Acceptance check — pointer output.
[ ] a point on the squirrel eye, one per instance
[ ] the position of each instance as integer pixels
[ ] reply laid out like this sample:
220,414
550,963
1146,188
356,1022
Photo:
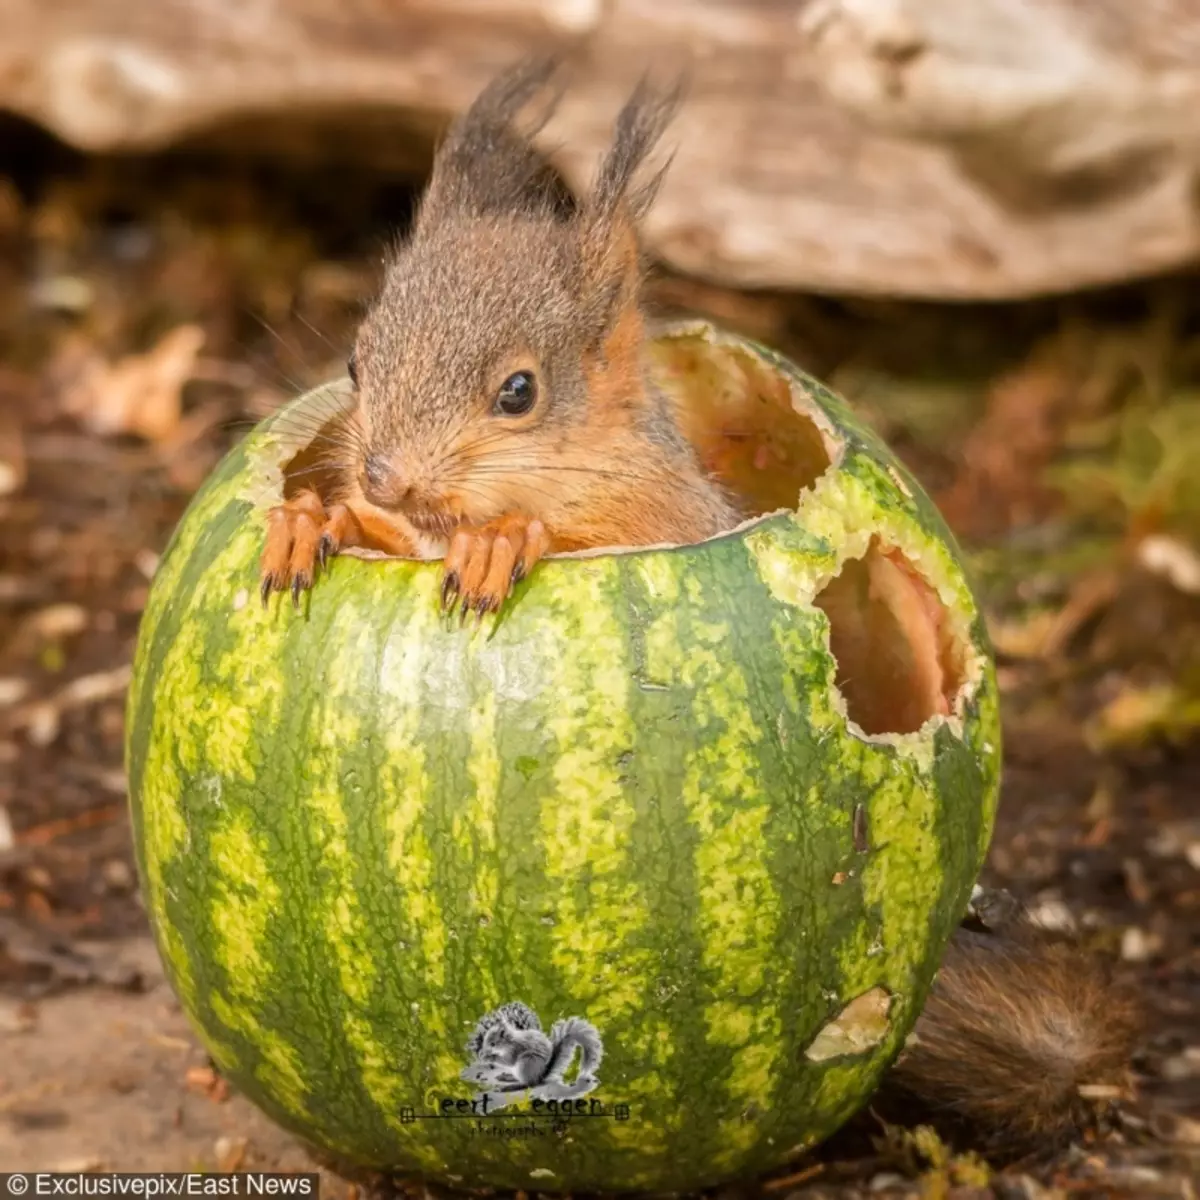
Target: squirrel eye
517,394
352,368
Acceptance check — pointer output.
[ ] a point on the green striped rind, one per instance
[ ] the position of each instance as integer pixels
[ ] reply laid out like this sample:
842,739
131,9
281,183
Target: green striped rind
632,800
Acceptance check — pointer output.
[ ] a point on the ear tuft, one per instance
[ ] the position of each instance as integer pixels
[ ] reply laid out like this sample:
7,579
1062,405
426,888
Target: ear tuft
610,252
640,125
486,164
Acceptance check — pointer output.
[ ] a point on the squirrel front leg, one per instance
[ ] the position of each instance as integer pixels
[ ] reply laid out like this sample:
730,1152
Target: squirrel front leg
484,562
302,534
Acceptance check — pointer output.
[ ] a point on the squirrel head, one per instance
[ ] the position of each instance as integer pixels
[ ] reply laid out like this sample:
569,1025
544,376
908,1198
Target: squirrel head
508,326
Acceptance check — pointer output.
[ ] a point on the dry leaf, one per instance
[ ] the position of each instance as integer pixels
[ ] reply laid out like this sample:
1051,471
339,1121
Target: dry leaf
12,454
42,720
141,394
999,484
1173,560
1140,714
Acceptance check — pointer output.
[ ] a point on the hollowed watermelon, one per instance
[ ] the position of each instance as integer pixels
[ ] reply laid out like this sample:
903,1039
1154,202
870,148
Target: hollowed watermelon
715,808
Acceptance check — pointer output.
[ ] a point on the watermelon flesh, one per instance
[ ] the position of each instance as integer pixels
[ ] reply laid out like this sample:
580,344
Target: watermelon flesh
640,886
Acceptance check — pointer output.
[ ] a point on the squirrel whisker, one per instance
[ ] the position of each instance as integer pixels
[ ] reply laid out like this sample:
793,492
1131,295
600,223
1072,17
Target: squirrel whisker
313,329
329,431
599,472
324,468
493,498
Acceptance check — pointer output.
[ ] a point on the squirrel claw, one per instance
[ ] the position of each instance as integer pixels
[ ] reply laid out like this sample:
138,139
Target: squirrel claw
484,563
302,536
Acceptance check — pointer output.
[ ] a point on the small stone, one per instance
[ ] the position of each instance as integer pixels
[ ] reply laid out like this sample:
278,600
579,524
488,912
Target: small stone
1185,1130
12,477
1164,843
17,1017
1052,914
12,691
8,839
1185,1065
230,1153
58,621
43,724
200,1079
38,877
62,294
1020,1187
146,561
117,875
1139,946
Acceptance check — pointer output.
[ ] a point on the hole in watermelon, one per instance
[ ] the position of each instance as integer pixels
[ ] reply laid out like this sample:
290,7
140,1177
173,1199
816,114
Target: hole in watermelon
742,416
899,661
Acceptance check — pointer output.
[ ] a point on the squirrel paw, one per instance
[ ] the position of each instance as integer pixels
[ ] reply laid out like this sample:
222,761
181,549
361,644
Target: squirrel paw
484,563
301,536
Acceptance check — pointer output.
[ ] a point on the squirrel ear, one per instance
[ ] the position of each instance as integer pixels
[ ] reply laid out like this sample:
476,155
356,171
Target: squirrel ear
612,273
610,252
485,164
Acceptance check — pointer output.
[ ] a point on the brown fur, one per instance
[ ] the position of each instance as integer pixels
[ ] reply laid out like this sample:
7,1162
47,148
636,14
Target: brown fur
499,277
1018,1026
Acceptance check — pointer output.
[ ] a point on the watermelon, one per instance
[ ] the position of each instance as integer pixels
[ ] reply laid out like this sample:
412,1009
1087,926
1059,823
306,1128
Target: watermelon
639,885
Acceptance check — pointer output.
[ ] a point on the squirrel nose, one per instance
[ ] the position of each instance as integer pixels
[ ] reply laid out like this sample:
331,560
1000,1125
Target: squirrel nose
384,485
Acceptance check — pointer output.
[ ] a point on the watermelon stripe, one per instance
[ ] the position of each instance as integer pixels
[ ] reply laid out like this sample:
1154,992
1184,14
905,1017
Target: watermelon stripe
234,859
603,951
813,829
161,828
724,803
245,900
223,993
663,847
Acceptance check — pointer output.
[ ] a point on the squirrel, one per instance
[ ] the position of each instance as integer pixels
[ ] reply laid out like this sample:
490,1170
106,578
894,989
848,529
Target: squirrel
501,365
1023,1037
512,1056
503,410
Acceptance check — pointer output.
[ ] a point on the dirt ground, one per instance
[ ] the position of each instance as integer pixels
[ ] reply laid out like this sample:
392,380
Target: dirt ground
150,311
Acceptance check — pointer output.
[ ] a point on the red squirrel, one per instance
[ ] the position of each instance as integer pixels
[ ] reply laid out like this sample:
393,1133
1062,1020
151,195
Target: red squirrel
501,365
502,362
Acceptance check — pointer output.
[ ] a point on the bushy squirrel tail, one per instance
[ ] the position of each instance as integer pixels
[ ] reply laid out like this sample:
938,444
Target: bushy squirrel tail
568,1034
1023,1038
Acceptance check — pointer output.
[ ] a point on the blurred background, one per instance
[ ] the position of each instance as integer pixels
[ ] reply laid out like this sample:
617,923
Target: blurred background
980,222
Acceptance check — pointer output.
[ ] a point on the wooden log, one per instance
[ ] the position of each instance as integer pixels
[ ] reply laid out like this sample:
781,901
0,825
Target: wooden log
920,148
